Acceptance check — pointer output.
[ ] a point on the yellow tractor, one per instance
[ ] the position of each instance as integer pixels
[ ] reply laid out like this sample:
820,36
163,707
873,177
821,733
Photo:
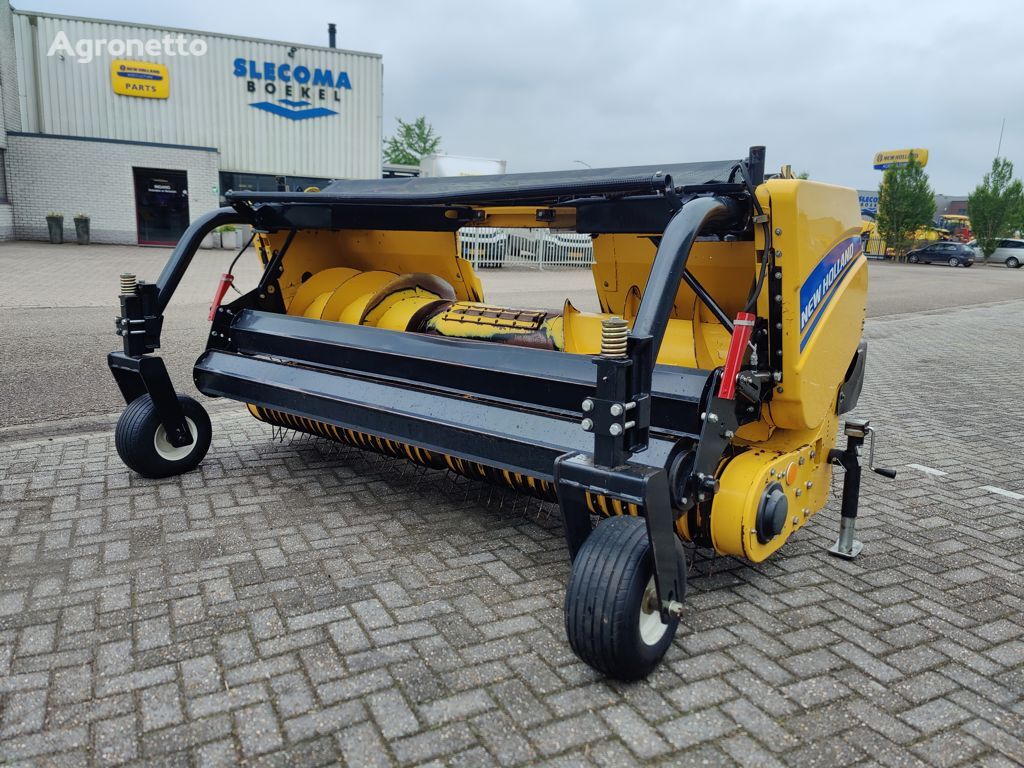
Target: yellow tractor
701,404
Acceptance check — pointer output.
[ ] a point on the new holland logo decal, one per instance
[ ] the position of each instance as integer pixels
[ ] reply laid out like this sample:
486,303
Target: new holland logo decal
293,110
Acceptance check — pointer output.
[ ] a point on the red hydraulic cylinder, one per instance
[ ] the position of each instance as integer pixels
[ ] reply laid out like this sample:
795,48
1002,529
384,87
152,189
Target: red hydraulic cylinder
226,280
743,327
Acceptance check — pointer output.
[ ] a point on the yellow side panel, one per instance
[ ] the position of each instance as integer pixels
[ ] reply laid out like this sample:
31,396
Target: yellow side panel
436,253
622,264
824,295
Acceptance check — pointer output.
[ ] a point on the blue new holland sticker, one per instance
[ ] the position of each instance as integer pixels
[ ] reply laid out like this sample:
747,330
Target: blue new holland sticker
819,287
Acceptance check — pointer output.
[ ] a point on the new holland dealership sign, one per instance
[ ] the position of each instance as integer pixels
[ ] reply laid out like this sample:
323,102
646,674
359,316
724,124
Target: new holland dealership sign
899,157
299,92
140,78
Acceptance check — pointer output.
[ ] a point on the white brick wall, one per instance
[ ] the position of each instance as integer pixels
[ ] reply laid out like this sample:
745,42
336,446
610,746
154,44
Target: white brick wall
73,176
6,220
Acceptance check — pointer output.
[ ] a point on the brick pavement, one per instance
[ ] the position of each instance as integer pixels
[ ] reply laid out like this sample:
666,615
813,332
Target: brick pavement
293,604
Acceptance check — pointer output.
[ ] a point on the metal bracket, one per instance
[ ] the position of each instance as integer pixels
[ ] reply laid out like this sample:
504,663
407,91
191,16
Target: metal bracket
137,376
140,321
576,475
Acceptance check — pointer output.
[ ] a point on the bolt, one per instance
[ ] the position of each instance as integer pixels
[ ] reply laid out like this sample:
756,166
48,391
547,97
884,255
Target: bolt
588,405
729,434
587,425
675,609
780,390
772,472
799,492
809,485
713,418
813,454
778,254
616,409
778,298
801,461
796,520
615,430
778,274
778,230
777,376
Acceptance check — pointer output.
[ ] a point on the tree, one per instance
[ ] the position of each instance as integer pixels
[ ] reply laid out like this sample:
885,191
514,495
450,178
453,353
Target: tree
906,202
411,142
996,206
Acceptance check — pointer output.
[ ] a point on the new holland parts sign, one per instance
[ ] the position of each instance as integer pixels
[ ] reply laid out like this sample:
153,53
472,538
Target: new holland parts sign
140,78
299,92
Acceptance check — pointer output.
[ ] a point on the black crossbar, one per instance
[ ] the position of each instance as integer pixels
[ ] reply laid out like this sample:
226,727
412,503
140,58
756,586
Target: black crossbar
528,378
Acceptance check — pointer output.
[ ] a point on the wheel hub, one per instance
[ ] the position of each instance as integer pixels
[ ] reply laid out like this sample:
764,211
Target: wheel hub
170,452
651,627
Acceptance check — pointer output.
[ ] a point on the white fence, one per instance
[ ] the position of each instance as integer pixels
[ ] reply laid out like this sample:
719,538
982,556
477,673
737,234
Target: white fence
487,247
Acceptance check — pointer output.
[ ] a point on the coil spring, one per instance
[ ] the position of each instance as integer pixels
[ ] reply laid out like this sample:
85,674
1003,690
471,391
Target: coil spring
128,283
614,334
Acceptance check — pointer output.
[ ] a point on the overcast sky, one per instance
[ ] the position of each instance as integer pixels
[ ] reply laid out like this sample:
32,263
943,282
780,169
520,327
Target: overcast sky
823,84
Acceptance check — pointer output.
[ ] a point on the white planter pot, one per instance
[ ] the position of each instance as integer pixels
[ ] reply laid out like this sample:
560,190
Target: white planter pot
207,241
228,240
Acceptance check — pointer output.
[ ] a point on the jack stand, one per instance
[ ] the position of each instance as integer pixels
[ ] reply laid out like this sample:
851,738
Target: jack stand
856,430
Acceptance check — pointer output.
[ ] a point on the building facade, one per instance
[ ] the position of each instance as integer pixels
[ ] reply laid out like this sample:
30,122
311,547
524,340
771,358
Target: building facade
142,129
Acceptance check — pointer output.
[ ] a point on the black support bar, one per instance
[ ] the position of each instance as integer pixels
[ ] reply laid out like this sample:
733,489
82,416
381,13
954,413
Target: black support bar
186,248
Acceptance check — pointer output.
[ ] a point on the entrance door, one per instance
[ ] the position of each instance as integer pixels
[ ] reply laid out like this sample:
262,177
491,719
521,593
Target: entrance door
161,205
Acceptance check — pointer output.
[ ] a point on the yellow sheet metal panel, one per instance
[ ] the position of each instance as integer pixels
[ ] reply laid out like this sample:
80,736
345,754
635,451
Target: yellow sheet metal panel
143,79
435,253
824,295
622,264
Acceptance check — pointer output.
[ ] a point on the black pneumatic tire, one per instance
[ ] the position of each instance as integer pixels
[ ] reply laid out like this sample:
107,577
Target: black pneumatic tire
141,440
604,599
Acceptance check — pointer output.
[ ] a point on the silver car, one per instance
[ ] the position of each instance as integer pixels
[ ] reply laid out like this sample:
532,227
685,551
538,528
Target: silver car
1010,252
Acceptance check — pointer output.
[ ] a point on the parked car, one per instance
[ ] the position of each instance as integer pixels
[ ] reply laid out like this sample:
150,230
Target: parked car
954,254
1009,252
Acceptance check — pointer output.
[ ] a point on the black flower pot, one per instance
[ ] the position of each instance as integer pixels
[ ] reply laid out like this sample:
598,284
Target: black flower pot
82,230
56,227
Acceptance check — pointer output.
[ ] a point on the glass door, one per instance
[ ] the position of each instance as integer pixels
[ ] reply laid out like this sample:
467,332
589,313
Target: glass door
161,205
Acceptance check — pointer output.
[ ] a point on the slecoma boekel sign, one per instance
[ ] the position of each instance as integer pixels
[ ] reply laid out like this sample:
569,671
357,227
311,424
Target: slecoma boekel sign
300,86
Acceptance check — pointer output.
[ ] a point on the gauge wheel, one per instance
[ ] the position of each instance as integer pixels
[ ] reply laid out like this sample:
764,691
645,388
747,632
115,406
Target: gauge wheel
142,443
611,614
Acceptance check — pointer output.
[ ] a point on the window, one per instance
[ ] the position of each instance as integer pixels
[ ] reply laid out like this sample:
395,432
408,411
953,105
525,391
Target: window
265,182
3,175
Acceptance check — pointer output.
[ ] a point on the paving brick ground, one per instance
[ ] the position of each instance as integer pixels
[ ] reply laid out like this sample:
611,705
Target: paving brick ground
292,604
